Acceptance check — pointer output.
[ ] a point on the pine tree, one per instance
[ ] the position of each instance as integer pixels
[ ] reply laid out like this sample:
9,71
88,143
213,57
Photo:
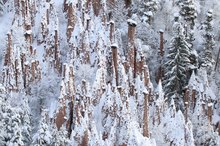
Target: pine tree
43,136
16,136
188,11
178,60
149,8
94,138
151,5
60,137
4,114
203,131
10,123
26,121
209,39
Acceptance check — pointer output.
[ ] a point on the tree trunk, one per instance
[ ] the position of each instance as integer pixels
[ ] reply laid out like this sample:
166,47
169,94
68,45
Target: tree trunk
115,62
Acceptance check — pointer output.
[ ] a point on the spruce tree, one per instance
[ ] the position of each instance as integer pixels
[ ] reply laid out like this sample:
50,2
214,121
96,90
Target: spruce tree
26,121
60,137
43,136
4,116
188,12
177,63
150,8
151,5
209,40
16,138
10,122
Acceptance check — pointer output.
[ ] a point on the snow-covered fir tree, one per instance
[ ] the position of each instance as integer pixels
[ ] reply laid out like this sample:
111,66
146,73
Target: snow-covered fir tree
43,137
209,42
149,10
16,135
26,122
189,14
4,120
11,126
60,137
176,65
188,11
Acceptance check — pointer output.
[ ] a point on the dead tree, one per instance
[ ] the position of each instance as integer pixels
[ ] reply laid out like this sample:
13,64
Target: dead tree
146,75
112,31
8,54
28,33
60,117
186,103
48,16
33,65
161,54
65,6
88,3
70,21
145,127
210,112
88,23
161,43
140,66
16,72
111,2
217,61
128,6
96,6
131,42
147,81
193,98
115,61
23,8
67,101
57,53
135,63
85,48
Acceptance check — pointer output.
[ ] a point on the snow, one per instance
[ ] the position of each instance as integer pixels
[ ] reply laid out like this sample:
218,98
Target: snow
161,31
149,13
111,22
115,46
132,22
101,107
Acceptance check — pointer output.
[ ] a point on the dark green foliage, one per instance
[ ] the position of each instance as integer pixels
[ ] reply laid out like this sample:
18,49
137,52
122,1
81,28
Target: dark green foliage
209,42
177,64
188,11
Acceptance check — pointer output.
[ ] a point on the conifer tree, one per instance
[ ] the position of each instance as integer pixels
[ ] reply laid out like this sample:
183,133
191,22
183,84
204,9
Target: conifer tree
177,62
205,134
188,11
209,39
16,138
4,116
26,122
60,137
151,5
10,122
148,8
43,136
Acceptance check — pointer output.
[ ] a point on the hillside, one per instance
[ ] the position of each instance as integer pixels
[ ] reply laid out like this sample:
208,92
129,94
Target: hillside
109,73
